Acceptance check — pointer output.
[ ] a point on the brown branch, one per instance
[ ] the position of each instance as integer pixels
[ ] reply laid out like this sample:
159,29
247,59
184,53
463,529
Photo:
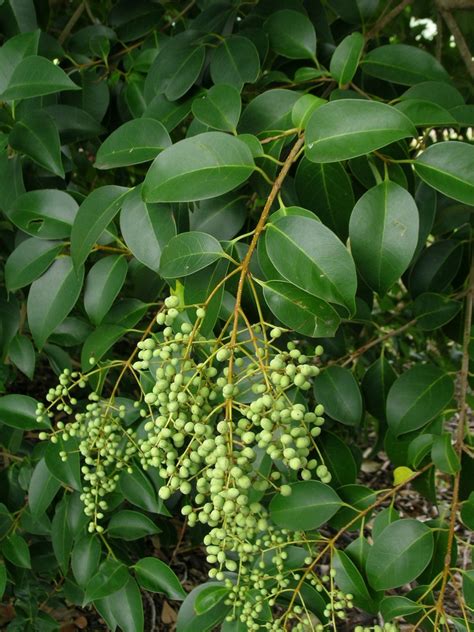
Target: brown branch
71,23
461,43
384,20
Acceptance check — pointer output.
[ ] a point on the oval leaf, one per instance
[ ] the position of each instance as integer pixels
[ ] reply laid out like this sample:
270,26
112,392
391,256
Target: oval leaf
103,283
28,262
336,389
187,253
46,213
400,63
156,576
34,77
291,34
130,525
309,505
345,58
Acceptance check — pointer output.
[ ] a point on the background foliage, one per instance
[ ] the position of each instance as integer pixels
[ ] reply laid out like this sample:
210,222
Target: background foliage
312,184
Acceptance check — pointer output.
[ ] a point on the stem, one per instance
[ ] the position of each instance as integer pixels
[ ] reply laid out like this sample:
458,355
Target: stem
386,19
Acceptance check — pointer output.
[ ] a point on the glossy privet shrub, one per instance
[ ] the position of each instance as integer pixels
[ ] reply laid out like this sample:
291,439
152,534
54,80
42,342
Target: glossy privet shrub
237,244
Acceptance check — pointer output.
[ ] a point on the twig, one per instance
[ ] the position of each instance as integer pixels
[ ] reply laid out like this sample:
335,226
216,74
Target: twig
72,21
461,43
386,19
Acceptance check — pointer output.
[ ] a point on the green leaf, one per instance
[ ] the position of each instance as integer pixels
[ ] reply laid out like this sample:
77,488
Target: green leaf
73,123
349,580
291,34
103,283
43,488
127,607
137,489
468,587
16,550
68,471
398,606
345,59
176,68
269,111
13,51
52,297
436,267
301,311
111,577
36,76
425,113
400,554
467,511
448,167
419,448
438,92
376,384
99,342
383,519
85,558
338,458
384,233
444,455
37,136
3,579
134,142
353,127
28,261
94,215
19,411
156,576
222,217
335,199
432,311
310,256
356,498
61,535
235,62
310,505
336,389
46,213
187,253
219,108
197,168
417,397
22,354
146,228
400,63
189,621
303,108
130,525
209,597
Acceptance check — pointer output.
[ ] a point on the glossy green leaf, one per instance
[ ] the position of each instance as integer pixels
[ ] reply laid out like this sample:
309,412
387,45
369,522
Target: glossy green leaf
52,297
45,213
197,168
383,519
19,411
135,141
336,389
384,233
111,577
436,267
425,113
37,136
187,253
42,489
403,64
130,525
356,498
402,552
417,397
222,217
310,256
189,621
28,261
303,108
434,310
345,59
219,108
137,489
235,62
68,471
334,200
85,558
300,311
94,215
22,354
3,579
103,283
467,511
376,384
438,92
146,228
269,111
350,581
73,124
398,606
13,51
210,597
352,127
16,551
444,455
448,167
291,34
99,342
338,458
61,535
197,288
419,448
310,505
127,607
36,76
468,587
156,576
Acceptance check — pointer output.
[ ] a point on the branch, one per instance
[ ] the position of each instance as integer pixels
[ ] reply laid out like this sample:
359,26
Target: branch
386,19
461,43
